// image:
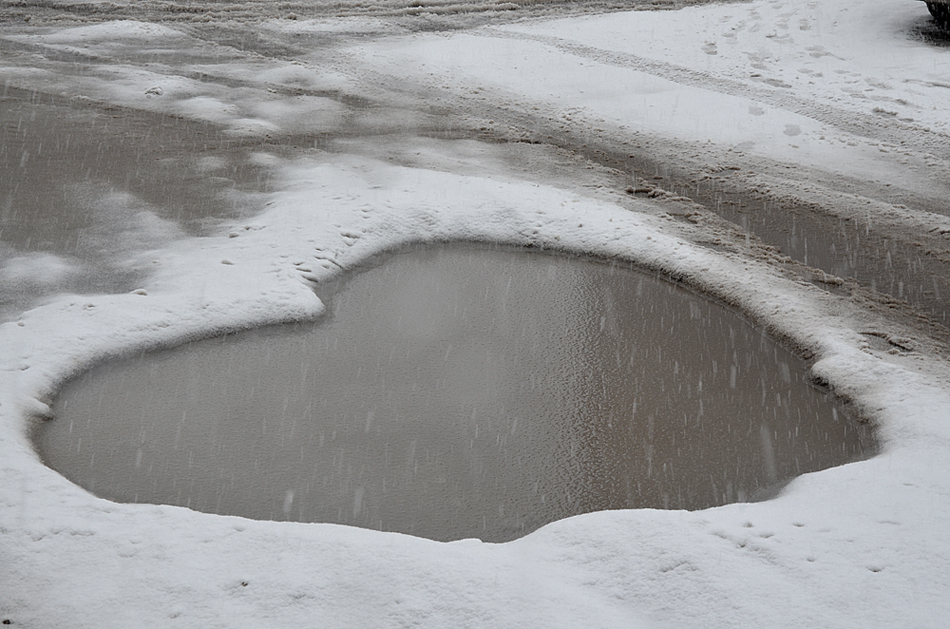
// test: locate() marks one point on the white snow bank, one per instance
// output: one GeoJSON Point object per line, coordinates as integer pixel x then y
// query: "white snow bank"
{"type": "Point", "coordinates": [855, 545]}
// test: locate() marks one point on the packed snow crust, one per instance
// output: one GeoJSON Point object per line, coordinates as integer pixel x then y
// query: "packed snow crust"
{"type": "Point", "coordinates": [862, 545]}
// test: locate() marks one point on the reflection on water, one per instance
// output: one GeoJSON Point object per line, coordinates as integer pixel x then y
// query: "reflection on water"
{"type": "Point", "coordinates": [459, 392]}
{"type": "Point", "coordinates": [85, 189]}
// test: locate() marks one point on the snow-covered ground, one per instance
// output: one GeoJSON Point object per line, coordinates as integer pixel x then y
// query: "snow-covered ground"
{"type": "Point", "coordinates": [838, 104]}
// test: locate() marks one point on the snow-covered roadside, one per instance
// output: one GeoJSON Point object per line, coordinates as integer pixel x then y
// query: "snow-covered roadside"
{"type": "Point", "coordinates": [837, 87]}
{"type": "Point", "coordinates": [859, 545]}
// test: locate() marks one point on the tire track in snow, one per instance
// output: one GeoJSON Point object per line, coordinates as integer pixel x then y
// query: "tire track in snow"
{"type": "Point", "coordinates": [869, 126]}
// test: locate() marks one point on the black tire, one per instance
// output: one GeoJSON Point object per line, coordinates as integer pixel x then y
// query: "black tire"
{"type": "Point", "coordinates": [941, 13]}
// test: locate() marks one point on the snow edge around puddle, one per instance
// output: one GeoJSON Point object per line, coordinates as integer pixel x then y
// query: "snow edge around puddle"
{"type": "Point", "coordinates": [850, 534]}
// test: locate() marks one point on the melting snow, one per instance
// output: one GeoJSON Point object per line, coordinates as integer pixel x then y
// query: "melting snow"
{"type": "Point", "coordinates": [858, 545]}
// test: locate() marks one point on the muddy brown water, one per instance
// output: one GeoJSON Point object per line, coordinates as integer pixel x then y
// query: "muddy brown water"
{"type": "Point", "coordinates": [840, 246]}
{"type": "Point", "coordinates": [457, 392]}
{"type": "Point", "coordinates": [84, 189]}
{"type": "Point", "coordinates": [60, 159]}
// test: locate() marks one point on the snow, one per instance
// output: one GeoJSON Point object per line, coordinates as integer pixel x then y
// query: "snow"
{"type": "Point", "coordinates": [858, 545]}
{"type": "Point", "coordinates": [108, 32]}
{"type": "Point", "coordinates": [784, 80]}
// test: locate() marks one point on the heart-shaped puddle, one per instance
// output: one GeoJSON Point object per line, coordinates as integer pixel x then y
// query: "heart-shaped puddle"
{"type": "Point", "coordinates": [459, 392]}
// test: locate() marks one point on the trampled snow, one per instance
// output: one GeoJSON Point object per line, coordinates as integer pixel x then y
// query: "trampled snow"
{"type": "Point", "coordinates": [859, 545]}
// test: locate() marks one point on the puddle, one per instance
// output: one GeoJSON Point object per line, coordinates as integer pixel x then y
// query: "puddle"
{"type": "Point", "coordinates": [850, 249]}
{"type": "Point", "coordinates": [54, 152]}
{"type": "Point", "coordinates": [85, 188]}
{"type": "Point", "coordinates": [457, 392]}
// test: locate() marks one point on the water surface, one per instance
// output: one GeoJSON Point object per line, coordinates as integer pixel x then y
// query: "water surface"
{"type": "Point", "coordinates": [459, 392]}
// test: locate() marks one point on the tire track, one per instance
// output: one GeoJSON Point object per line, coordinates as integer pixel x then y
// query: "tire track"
{"type": "Point", "coordinates": [869, 126]}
